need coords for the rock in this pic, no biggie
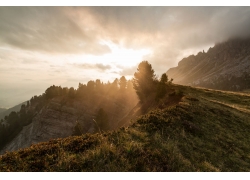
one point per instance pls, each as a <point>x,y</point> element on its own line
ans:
<point>223,67</point>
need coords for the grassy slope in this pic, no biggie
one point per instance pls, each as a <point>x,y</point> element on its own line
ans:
<point>206,131</point>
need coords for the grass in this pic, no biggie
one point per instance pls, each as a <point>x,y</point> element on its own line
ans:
<point>194,134</point>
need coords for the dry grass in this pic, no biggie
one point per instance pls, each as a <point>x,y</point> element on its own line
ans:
<point>201,133</point>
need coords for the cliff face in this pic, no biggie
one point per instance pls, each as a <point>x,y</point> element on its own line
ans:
<point>58,118</point>
<point>226,66</point>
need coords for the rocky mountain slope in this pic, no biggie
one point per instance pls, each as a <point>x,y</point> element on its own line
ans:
<point>226,66</point>
<point>58,117</point>
<point>8,111</point>
<point>192,129</point>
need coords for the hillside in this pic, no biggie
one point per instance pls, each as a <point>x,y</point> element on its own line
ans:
<point>226,66</point>
<point>58,114</point>
<point>190,129</point>
<point>8,111</point>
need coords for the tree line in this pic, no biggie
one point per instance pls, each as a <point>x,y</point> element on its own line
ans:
<point>90,89</point>
<point>144,83</point>
<point>147,85</point>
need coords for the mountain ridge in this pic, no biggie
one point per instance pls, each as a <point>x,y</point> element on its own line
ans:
<point>206,130</point>
<point>57,115</point>
<point>226,66</point>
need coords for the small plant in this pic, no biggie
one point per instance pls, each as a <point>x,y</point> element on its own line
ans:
<point>179,92</point>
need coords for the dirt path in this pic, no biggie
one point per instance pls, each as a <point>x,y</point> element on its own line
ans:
<point>234,106</point>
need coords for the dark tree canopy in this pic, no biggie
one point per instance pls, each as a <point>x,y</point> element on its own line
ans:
<point>162,86</point>
<point>71,93</point>
<point>77,129</point>
<point>102,120</point>
<point>144,80</point>
<point>91,86</point>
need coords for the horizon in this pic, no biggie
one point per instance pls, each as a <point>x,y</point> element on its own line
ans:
<point>64,46</point>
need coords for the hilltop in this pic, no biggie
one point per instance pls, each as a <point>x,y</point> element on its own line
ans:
<point>225,66</point>
<point>189,129</point>
<point>62,112</point>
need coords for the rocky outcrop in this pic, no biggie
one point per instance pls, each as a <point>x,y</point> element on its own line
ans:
<point>226,66</point>
<point>58,118</point>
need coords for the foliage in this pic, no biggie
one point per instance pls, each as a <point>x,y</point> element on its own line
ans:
<point>77,129</point>
<point>163,86</point>
<point>102,120</point>
<point>123,83</point>
<point>71,92</point>
<point>196,134</point>
<point>120,92</point>
<point>15,121</point>
<point>144,80</point>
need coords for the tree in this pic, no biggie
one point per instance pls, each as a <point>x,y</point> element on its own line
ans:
<point>162,86</point>
<point>77,129</point>
<point>102,120</point>
<point>123,83</point>
<point>130,86</point>
<point>114,85</point>
<point>65,91</point>
<point>81,91</point>
<point>99,86</point>
<point>91,86</point>
<point>144,80</point>
<point>71,93</point>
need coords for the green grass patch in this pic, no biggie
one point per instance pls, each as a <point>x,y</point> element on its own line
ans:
<point>197,134</point>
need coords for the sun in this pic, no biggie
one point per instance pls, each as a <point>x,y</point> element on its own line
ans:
<point>123,56</point>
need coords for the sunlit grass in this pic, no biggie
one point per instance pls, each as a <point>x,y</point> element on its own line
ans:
<point>196,134</point>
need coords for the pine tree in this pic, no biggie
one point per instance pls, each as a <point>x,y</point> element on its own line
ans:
<point>123,83</point>
<point>144,80</point>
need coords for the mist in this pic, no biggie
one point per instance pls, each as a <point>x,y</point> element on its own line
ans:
<point>42,46</point>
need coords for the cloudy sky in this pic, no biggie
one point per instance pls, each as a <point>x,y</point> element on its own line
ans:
<point>42,46</point>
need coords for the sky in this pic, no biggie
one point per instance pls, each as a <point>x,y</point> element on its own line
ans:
<point>44,46</point>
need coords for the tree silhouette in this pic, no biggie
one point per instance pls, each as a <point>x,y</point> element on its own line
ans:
<point>162,86</point>
<point>77,129</point>
<point>144,80</point>
<point>102,120</point>
<point>114,85</point>
<point>71,92</point>
<point>91,86</point>
<point>123,83</point>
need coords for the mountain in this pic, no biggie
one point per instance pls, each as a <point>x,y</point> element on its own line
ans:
<point>2,110</point>
<point>8,111</point>
<point>52,116</point>
<point>226,66</point>
<point>190,129</point>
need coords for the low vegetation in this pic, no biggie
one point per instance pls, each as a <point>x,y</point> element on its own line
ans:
<point>94,92</point>
<point>185,131</point>
<point>182,129</point>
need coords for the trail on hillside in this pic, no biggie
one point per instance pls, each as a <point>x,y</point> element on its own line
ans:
<point>233,106</point>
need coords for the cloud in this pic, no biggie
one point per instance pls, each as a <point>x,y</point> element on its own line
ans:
<point>102,66</point>
<point>81,29</point>
<point>127,70</point>
<point>46,29</point>
<point>170,31</point>
<point>38,41</point>
<point>98,66</point>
